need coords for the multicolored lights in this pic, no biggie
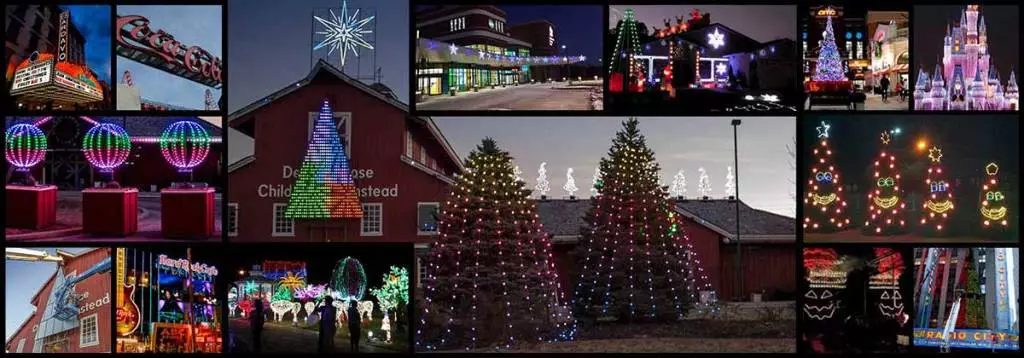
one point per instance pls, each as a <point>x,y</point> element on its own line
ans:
<point>26,146</point>
<point>830,64</point>
<point>884,204</point>
<point>825,207</point>
<point>106,146</point>
<point>185,144</point>
<point>349,279</point>
<point>325,189</point>
<point>994,210</point>
<point>938,205</point>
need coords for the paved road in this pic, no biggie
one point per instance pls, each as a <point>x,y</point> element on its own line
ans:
<point>523,97</point>
<point>283,338</point>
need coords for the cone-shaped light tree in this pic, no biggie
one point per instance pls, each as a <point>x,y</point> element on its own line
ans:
<point>325,189</point>
<point>637,263</point>
<point>939,204</point>
<point>830,64</point>
<point>623,69</point>
<point>491,279</point>
<point>885,201</point>
<point>994,206</point>
<point>824,206</point>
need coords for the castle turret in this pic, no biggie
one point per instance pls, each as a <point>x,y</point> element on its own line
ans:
<point>976,91</point>
<point>1011,96</point>
<point>921,90</point>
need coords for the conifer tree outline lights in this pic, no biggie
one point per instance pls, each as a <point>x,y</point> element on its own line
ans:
<point>570,184</point>
<point>542,180</point>
<point>678,188</point>
<point>703,183</point>
<point>824,176</point>
<point>325,188</point>
<point>884,208</point>
<point>480,253</point>
<point>990,197</point>
<point>730,185</point>
<point>596,182</point>
<point>625,53</point>
<point>939,203</point>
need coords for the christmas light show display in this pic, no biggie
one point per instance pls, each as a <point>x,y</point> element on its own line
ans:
<point>939,204</point>
<point>349,280</point>
<point>824,204</point>
<point>637,262</point>
<point>344,33</point>
<point>325,188</point>
<point>543,185</point>
<point>886,282</point>
<point>185,144</point>
<point>966,79</point>
<point>596,182</point>
<point>623,67</point>
<point>570,184</point>
<point>490,277</point>
<point>885,198</point>
<point>730,183</point>
<point>716,39</point>
<point>26,146</point>
<point>825,280</point>
<point>703,184</point>
<point>106,146</point>
<point>994,209</point>
<point>829,73</point>
<point>394,291</point>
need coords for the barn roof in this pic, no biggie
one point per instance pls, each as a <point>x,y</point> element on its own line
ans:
<point>564,218</point>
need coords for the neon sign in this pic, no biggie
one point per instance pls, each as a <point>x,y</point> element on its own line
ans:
<point>183,265</point>
<point>134,36</point>
<point>62,39</point>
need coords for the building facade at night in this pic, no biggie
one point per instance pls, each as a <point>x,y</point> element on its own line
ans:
<point>889,48</point>
<point>402,165</point>
<point>967,79</point>
<point>492,47</point>
<point>46,66</point>
<point>767,246</point>
<point>145,168</point>
<point>851,39</point>
<point>72,309</point>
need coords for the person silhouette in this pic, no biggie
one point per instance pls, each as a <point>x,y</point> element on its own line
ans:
<point>354,326</point>
<point>328,326</point>
<point>256,324</point>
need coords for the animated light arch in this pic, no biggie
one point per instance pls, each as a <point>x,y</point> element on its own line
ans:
<point>106,146</point>
<point>25,146</point>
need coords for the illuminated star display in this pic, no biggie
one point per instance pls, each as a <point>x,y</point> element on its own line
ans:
<point>344,33</point>
<point>453,49</point>
<point>823,130</point>
<point>481,54</point>
<point>886,138</point>
<point>720,68</point>
<point>716,39</point>
<point>935,154</point>
<point>992,169</point>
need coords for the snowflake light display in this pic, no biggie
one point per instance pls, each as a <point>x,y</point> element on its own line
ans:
<point>185,144</point>
<point>325,189</point>
<point>344,33</point>
<point>106,146</point>
<point>570,183</point>
<point>716,39</point>
<point>26,146</point>
<point>349,279</point>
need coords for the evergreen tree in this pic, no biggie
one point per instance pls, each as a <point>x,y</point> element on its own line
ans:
<point>636,262</point>
<point>627,45</point>
<point>975,299</point>
<point>491,280</point>
<point>830,65</point>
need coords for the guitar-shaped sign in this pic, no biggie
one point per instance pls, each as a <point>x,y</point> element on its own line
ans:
<point>128,313</point>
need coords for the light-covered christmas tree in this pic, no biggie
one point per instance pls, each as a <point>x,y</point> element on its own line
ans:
<point>325,189</point>
<point>830,64</point>
<point>939,204</point>
<point>623,68</point>
<point>678,188</point>
<point>570,184</point>
<point>885,199</point>
<point>543,185</point>
<point>824,206</point>
<point>490,277</point>
<point>703,184</point>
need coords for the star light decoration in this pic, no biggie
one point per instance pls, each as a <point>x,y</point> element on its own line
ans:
<point>886,138</point>
<point>716,39</point>
<point>935,154</point>
<point>823,130</point>
<point>344,33</point>
<point>292,282</point>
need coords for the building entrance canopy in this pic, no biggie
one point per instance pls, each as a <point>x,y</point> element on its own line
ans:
<point>439,52</point>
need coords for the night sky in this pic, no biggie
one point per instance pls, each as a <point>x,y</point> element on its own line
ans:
<point>93,21</point>
<point>576,27</point>
<point>765,175</point>
<point>376,258</point>
<point>270,45</point>
<point>1003,35</point>
<point>759,22</point>
<point>968,143</point>
<point>193,25</point>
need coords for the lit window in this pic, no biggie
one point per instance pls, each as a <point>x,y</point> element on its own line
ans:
<point>426,218</point>
<point>232,219</point>
<point>373,219</point>
<point>282,225</point>
<point>89,331</point>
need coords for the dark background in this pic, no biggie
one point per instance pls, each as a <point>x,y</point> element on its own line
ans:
<point>376,258</point>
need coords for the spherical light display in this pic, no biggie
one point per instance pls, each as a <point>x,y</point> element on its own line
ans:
<point>349,279</point>
<point>106,146</point>
<point>26,146</point>
<point>185,145</point>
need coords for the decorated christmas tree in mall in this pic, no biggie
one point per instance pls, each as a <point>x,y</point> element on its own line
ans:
<point>885,198</point>
<point>829,73</point>
<point>624,71</point>
<point>938,206</point>
<point>490,277</point>
<point>636,262</point>
<point>824,206</point>
<point>325,189</point>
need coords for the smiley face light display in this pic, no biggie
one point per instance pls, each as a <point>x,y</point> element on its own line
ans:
<point>994,209</point>
<point>824,206</point>
<point>885,284</point>
<point>938,203</point>
<point>885,205</point>
<point>825,281</point>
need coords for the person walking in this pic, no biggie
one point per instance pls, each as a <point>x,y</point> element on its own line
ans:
<point>884,83</point>
<point>256,324</point>
<point>354,326</point>
<point>328,326</point>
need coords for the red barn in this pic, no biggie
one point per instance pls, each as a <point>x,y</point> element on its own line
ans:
<point>89,332</point>
<point>402,165</point>
<point>767,240</point>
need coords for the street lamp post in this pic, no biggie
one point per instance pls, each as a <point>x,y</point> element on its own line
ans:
<point>568,69</point>
<point>736,177</point>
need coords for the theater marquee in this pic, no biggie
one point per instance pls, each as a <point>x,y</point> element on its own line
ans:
<point>158,49</point>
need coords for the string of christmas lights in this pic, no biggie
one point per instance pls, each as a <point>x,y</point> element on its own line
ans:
<point>939,204</point>
<point>106,146</point>
<point>25,146</point>
<point>994,208</point>
<point>824,204</point>
<point>185,144</point>
<point>885,199</point>
<point>325,188</point>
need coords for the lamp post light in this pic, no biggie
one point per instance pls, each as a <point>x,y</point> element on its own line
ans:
<point>736,177</point>
<point>568,69</point>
